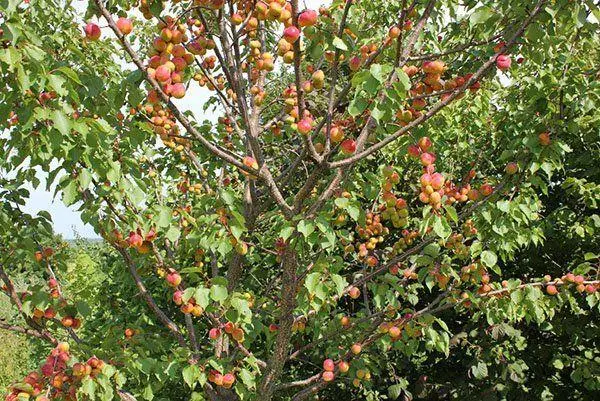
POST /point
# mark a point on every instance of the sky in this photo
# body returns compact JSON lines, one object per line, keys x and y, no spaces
{"x":66,"y":220}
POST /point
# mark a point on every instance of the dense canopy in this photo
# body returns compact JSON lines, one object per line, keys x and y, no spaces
{"x":343,"y":201}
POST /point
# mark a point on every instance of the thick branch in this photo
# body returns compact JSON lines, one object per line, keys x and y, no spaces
{"x":286,"y":320}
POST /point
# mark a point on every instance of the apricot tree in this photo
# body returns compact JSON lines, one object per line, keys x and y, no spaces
{"x":298,"y":198}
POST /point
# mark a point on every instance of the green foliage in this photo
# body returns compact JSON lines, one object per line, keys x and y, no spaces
{"x":442,"y":283}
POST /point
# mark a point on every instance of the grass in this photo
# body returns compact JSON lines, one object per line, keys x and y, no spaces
{"x":15,"y":351}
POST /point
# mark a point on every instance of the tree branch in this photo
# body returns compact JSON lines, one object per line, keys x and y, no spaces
{"x":441,"y":104}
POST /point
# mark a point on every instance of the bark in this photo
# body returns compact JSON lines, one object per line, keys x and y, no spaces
{"x":284,"y":335}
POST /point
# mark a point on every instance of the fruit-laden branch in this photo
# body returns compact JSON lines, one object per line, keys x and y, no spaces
{"x":369,"y":337}
{"x":308,"y":143}
{"x":334,"y":334}
{"x":370,"y":60}
{"x":340,"y":174}
{"x":431,"y":309}
{"x":146,"y":295}
{"x":287,"y":173}
{"x":216,"y":150}
{"x":235,"y":80}
{"x":426,"y":241}
{"x":189,"y":324}
{"x":411,"y":251}
{"x":334,"y":76}
{"x":442,"y":103}
{"x":457,"y":49}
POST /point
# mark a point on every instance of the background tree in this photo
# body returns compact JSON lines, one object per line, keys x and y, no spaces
{"x":396,"y":200}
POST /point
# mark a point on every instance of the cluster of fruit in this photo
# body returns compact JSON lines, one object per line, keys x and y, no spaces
{"x":67,"y":314}
{"x":136,"y":240}
{"x":236,"y":332}
{"x":371,"y":235}
{"x":164,"y":125}
{"x":329,"y":367}
{"x":394,"y":210}
{"x":56,"y":379}
{"x":435,"y":188}
{"x":570,"y":279}
{"x":189,"y":307}
{"x":223,"y":380}
{"x":185,"y":186}
{"x":408,"y":238}
{"x":456,"y":243}
{"x":169,"y":58}
{"x":391,"y":329}
{"x":360,"y":376}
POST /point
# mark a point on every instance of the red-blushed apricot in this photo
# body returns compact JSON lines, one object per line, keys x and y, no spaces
{"x":92,"y":31}
{"x":307,"y":18}
{"x":214,"y":333}
{"x":348,"y":146}
{"x":354,"y":292}
{"x":125,"y":25}
{"x":291,"y":34}
{"x":503,"y":62}
{"x":544,"y":138}
{"x":328,"y":376}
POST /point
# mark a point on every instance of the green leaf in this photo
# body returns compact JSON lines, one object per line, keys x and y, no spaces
{"x":85,"y":178}
{"x":395,"y":391}
{"x":312,"y":281}
{"x":23,"y":78}
{"x":403,"y":79}
{"x":242,"y":306}
{"x":481,"y":15}
{"x":359,"y":78}
{"x":57,"y":82}
{"x":441,"y":227}
{"x":342,"y":203}
{"x":191,"y":373}
{"x":489,"y":258}
{"x":451,"y":211}
{"x":286,"y":232}
{"x":88,"y":387}
{"x":164,"y":217}
{"x":70,"y":193}
{"x":380,"y":72}
{"x":339,"y":44}
{"x":114,"y":172}
{"x":558,"y":364}
{"x":377,"y":114}
{"x":218,"y":293}
{"x":479,"y":371}
{"x":340,"y":283}
{"x":61,"y":122}
{"x":148,"y":394}
{"x":72,"y":75}
{"x":247,"y":378}
{"x":306,"y":228}
{"x":173,"y":234}
{"x":202,"y":296}
{"x":358,"y":105}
